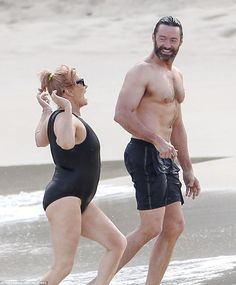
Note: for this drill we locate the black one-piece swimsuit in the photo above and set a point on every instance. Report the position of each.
(77, 170)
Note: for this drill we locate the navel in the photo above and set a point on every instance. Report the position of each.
(168, 100)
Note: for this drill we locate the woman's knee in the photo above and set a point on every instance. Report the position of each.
(122, 242)
(63, 267)
(118, 243)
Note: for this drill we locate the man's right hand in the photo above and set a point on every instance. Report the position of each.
(166, 149)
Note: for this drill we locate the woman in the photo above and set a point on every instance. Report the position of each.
(67, 200)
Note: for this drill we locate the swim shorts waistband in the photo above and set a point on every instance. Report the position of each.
(140, 141)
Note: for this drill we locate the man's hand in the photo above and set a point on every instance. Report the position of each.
(166, 149)
(193, 188)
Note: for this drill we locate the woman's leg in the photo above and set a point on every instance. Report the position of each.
(98, 227)
(64, 216)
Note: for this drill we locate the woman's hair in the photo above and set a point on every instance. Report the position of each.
(61, 79)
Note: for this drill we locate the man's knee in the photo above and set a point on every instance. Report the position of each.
(150, 231)
(174, 228)
(179, 227)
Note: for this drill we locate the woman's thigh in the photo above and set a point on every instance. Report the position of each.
(64, 216)
(98, 227)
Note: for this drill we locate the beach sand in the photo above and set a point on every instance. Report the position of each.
(103, 39)
(13, 178)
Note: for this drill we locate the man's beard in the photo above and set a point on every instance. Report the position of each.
(165, 57)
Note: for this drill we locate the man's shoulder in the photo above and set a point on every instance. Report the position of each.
(141, 67)
(145, 63)
(177, 70)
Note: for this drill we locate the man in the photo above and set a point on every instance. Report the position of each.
(149, 108)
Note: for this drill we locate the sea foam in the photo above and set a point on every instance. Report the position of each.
(185, 272)
(27, 206)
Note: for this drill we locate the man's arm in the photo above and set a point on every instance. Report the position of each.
(130, 97)
(179, 141)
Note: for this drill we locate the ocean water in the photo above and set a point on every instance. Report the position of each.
(187, 272)
(27, 206)
(24, 242)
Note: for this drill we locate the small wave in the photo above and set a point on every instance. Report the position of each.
(186, 272)
(27, 206)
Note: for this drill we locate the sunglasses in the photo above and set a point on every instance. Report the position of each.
(81, 82)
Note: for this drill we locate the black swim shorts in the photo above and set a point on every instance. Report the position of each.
(156, 179)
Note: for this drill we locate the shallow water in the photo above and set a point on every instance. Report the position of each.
(27, 206)
(187, 272)
(205, 251)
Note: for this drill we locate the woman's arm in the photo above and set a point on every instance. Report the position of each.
(41, 137)
(64, 127)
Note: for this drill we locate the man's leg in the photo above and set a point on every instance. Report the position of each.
(149, 228)
(173, 226)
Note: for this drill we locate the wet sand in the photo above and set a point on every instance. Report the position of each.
(16, 178)
(210, 232)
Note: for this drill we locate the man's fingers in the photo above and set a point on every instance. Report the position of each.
(192, 192)
(171, 153)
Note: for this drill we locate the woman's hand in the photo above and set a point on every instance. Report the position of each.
(44, 101)
(61, 101)
(41, 137)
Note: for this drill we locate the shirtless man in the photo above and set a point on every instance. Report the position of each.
(149, 108)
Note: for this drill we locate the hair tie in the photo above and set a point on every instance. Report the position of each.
(50, 76)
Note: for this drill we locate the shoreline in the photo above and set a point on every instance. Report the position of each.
(27, 178)
(211, 239)
(208, 239)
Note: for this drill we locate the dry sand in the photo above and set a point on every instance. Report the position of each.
(103, 39)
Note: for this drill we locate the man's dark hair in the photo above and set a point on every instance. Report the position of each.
(169, 21)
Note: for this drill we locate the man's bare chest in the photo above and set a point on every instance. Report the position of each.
(166, 89)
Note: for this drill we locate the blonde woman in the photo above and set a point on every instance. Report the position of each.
(68, 196)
